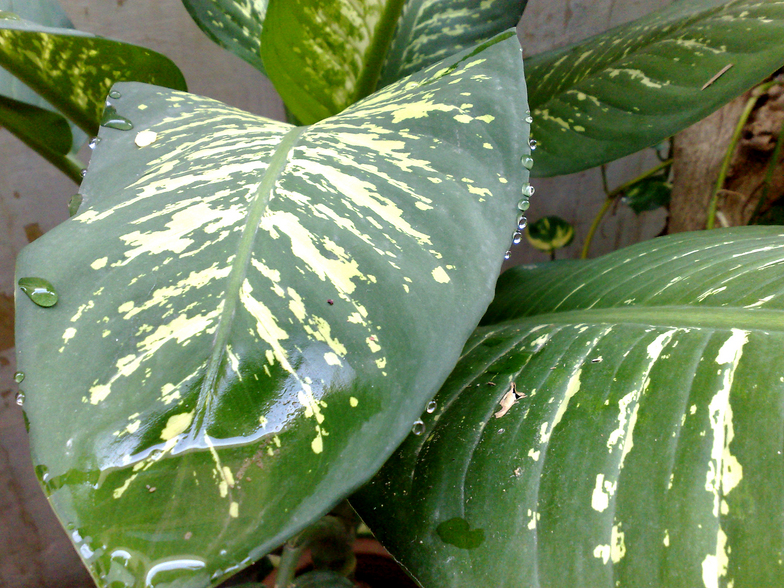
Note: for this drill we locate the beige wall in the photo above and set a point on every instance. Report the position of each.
(33, 196)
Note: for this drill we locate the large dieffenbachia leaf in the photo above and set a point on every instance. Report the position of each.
(622, 426)
(72, 71)
(324, 55)
(634, 85)
(252, 315)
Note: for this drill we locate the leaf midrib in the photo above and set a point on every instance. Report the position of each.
(683, 316)
(239, 270)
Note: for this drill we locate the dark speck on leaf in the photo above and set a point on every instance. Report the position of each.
(330, 302)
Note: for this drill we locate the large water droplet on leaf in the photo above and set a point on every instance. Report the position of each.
(418, 428)
(522, 222)
(532, 144)
(528, 190)
(115, 94)
(431, 407)
(524, 204)
(39, 291)
(528, 162)
(20, 398)
(113, 120)
(517, 237)
(19, 377)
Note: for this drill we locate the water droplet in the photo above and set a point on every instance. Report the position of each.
(83, 172)
(115, 94)
(19, 377)
(507, 255)
(39, 291)
(528, 190)
(74, 203)
(528, 162)
(522, 222)
(431, 407)
(115, 121)
(532, 144)
(529, 119)
(500, 431)
(596, 360)
(418, 428)
(516, 238)
(20, 398)
(524, 204)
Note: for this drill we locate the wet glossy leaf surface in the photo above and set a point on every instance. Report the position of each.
(634, 85)
(247, 310)
(615, 423)
(323, 56)
(73, 71)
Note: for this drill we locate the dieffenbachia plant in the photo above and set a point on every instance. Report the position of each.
(615, 422)
(54, 79)
(324, 55)
(251, 315)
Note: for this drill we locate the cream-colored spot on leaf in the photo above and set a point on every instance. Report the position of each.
(99, 263)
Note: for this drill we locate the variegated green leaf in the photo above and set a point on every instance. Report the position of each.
(634, 85)
(617, 423)
(248, 310)
(323, 56)
(429, 30)
(73, 71)
(25, 113)
(233, 24)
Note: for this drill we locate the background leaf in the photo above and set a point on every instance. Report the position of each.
(648, 194)
(25, 113)
(549, 233)
(235, 25)
(616, 423)
(631, 87)
(258, 303)
(73, 71)
(323, 56)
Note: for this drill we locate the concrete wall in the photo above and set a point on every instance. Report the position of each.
(34, 551)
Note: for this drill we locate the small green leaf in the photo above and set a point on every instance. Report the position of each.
(247, 310)
(549, 233)
(617, 423)
(648, 194)
(629, 88)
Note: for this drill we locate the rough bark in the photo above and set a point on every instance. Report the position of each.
(700, 150)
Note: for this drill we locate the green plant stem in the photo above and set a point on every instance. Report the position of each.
(611, 196)
(288, 563)
(725, 164)
(774, 159)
